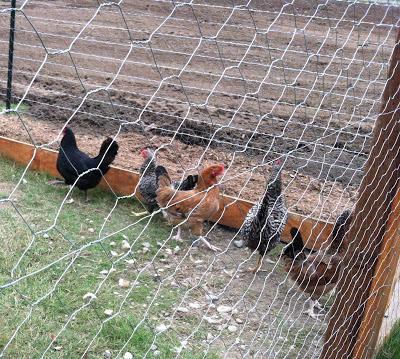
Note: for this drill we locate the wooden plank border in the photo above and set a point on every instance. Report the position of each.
(123, 182)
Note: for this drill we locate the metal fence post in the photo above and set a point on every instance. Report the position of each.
(11, 54)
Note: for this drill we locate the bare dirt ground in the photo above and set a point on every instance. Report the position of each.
(215, 85)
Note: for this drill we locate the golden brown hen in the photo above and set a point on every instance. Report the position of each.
(316, 273)
(190, 208)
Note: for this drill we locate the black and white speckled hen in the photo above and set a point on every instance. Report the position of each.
(72, 162)
(265, 221)
(148, 181)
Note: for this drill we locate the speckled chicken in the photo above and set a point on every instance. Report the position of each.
(263, 225)
(148, 181)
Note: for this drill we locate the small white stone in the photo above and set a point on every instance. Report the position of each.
(104, 272)
(24, 181)
(177, 249)
(69, 201)
(146, 244)
(211, 298)
(232, 328)
(125, 245)
(128, 355)
(145, 250)
(224, 309)
(157, 353)
(153, 347)
(161, 328)
(182, 309)
(124, 236)
(168, 250)
(112, 244)
(89, 296)
(239, 243)
(107, 354)
(212, 320)
(108, 312)
(114, 253)
(130, 261)
(45, 235)
(123, 283)
(91, 230)
(239, 321)
(194, 305)
(210, 336)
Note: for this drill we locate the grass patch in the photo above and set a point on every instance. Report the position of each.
(391, 347)
(53, 255)
(22, 108)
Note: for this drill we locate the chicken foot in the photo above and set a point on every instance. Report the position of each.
(257, 268)
(311, 304)
(207, 243)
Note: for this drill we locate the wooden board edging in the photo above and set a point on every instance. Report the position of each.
(123, 182)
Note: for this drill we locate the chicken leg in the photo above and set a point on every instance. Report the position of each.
(177, 236)
(258, 266)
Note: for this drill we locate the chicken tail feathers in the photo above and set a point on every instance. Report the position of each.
(188, 183)
(296, 246)
(108, 152)
(163, 179)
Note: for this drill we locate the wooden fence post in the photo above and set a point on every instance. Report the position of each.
(368, 230)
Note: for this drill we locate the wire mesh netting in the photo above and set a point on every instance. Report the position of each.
(244, 84)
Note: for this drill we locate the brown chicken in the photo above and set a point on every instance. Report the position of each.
(316, 273)
(190, 208)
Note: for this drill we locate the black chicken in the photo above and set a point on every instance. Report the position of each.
(263, 225)
(148, 181)
(72, 162)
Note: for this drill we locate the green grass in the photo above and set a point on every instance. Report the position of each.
(21, 108)
(41, 305)
(391, 347)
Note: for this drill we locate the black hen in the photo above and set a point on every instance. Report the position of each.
(72, 162)
(148, 181)
(263, 225)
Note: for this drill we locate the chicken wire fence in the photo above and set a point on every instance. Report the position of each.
(199, 82)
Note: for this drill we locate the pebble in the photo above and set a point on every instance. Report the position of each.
(108, 312)
(123, 283)
(224, 309)
(145, 250)
(45, 235)
(161, 328)
(177, 249)
(128, 355)
(89, 296)
(239, 321)
(91, 230)
(125, 245)
(182, 309)
(130, 261)
(112, 244)
(211, 298)
(157, 353)
(24, 181)
(232, 328)
(239, 243)
(153, 347)
(212, 320)
(69, 201)
(194, 305)
(146, 244)
(114, 253)
(107, 354)
(210, 336)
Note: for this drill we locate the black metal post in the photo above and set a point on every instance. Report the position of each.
(11, 54)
